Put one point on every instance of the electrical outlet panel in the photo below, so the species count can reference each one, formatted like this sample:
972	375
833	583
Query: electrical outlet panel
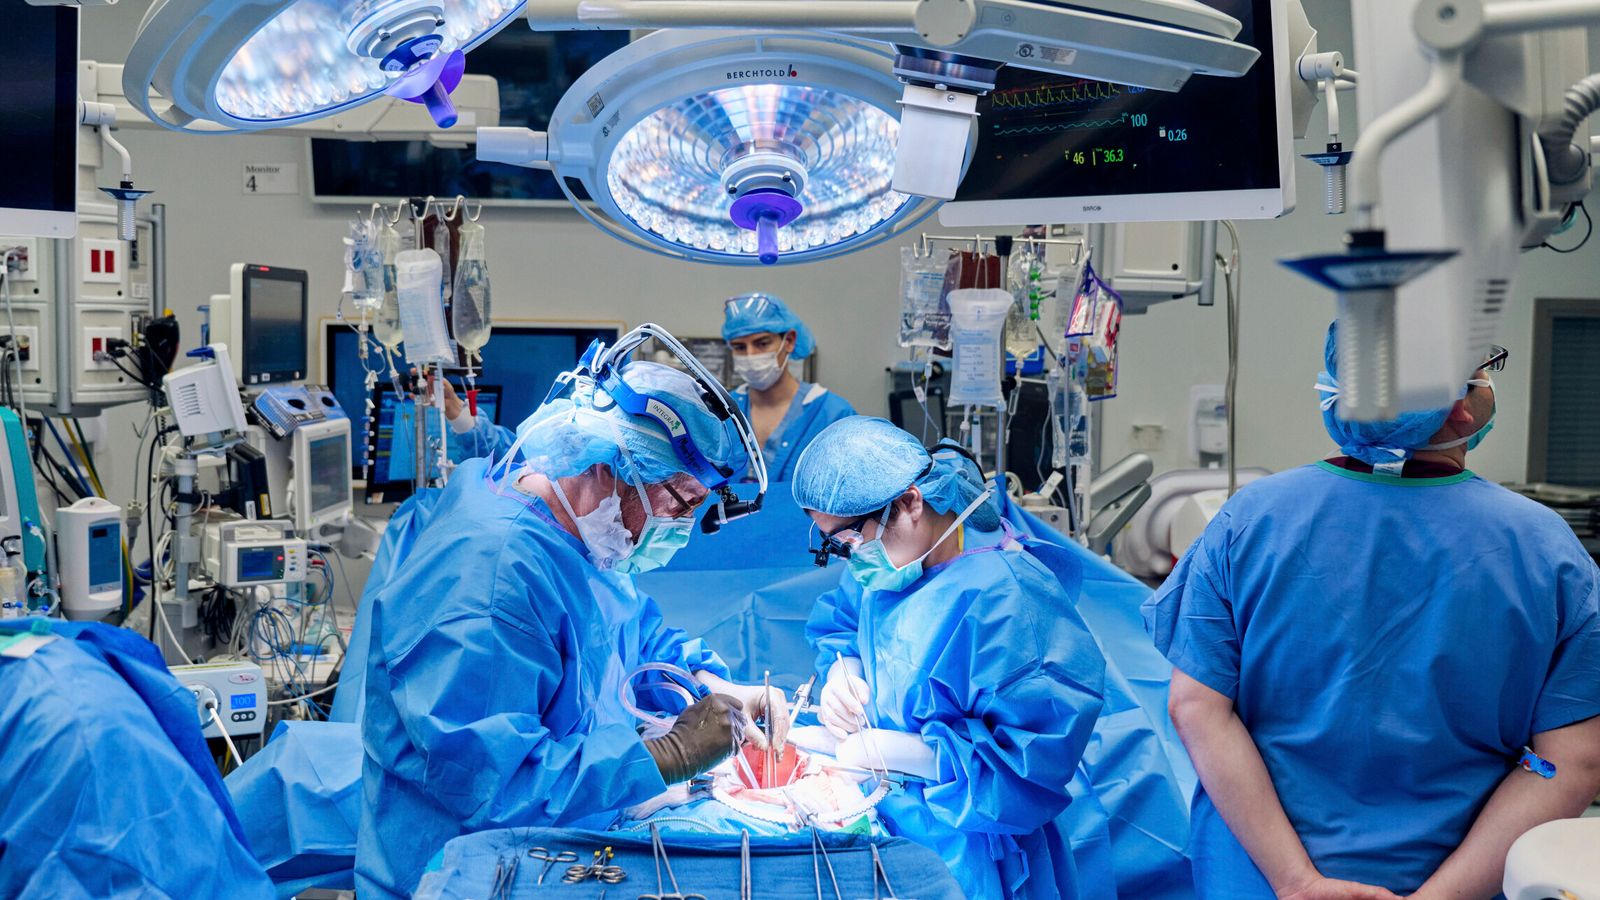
23	265
96	342
28	348
104	262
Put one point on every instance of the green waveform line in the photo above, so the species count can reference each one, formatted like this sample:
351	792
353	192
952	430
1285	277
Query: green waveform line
1055	95
1001	131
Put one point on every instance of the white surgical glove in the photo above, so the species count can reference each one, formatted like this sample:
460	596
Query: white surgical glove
877	749
844	698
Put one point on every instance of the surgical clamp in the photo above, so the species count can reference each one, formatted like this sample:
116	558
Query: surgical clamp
660	851
550	859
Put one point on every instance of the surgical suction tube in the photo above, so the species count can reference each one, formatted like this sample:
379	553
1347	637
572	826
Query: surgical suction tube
1389	127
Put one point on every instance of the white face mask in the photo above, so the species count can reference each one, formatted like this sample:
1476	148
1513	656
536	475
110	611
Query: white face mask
601	530
760	370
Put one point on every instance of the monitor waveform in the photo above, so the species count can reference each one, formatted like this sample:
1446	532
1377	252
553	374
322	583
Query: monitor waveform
1054	127
1069	94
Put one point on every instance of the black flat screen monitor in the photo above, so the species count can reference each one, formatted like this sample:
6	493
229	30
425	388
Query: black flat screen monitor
1053	148
39	112
273	310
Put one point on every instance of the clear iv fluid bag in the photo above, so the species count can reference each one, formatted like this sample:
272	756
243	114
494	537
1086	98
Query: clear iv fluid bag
469	313
386	327
977	318
419	286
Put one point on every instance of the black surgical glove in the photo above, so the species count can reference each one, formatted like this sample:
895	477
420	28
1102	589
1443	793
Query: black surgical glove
701	738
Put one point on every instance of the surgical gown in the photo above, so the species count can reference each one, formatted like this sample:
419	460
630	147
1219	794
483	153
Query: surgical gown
1391	644
497	656
813	408
107	789
988	660
484	439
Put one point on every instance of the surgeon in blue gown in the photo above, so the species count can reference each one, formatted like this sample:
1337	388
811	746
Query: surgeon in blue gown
500	643
787	413
1363	648
949	631
106	786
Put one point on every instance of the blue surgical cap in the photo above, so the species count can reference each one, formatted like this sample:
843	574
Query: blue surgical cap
1374	443
756	313
568	435
861	464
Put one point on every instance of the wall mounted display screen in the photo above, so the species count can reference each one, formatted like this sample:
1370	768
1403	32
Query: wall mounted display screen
1057	149
39	106
533	69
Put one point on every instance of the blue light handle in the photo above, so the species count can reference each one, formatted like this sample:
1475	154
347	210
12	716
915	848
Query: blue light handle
767	238
437	100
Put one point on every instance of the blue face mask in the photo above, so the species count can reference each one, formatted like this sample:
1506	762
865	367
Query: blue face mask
872	568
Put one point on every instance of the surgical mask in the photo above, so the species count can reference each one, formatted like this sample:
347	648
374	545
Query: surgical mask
872	568
1472	440
760	370
601	530
662	536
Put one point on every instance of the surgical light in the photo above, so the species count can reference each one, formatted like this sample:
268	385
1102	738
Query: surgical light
731	147
229	66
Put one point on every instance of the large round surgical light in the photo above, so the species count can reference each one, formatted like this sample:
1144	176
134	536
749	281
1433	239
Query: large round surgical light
227	65
814	163
738	147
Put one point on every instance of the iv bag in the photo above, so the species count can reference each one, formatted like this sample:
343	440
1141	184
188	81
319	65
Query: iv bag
1025	276
977	317
441	245
418	275
469	314
924	312
387	327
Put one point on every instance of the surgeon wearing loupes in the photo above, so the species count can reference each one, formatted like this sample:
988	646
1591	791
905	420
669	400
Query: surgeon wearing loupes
951	648
502	641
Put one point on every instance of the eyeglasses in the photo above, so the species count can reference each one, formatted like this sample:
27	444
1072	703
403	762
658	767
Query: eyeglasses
840	541
1495	361
685	508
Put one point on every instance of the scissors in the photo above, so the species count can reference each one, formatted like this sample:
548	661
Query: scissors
549	859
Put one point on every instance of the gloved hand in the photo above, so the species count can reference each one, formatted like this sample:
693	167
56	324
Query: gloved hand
701	738
758	702
845	696
878	749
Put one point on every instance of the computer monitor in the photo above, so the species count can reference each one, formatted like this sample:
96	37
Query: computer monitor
391	440
523	358
1060	149
321	459
39	106
263	320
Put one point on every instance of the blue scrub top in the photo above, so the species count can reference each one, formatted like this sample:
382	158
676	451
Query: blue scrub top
988	660
813	408
107	789
1391	644
496	660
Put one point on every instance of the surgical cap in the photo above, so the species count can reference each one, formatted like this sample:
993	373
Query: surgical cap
757	313
861	464
568	435
1373	443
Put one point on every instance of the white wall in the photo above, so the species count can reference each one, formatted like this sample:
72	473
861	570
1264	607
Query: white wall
551	264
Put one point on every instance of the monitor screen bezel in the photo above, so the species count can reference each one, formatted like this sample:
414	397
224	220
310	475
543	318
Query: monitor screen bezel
1184	206
249	371
57	222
